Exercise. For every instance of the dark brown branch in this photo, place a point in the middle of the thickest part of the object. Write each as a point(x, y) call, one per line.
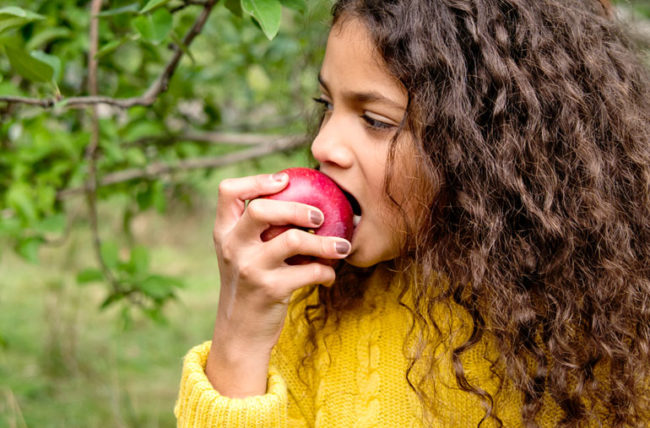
point(160, 168)
point(91, 150)
point(159, 86)
point(41, 102)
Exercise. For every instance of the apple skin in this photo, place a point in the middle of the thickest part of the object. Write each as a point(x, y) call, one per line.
point(312, 187)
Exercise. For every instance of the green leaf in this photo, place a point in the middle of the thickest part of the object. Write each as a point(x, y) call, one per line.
point(110, 47)
point(159, 287)
point(139, 259)
point(90, 275)
point(20, 198)
point(144, 199)
point(9, 88)
point(20, 13)
point(113, 45)
point(52, 224)
point(27, 66)
point(128, 57)
point(299, 5)
point(155, 314)
point(153, 4)
point(12, 17)
point(234, 6)
point(135, 156)
point(154, 28)
point(257, 78)
point(28, 249)
point(142, 128)
point(9, 23)
point(10, 227)
point(112, 298)
point(45, 198)
point(46, 36)
point(109, 253)
point(52, 61)
point(130, 8)
point(158, 197)
point(267, 13)
point(162, 21)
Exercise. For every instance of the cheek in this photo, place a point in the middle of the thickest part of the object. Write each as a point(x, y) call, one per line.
point(413, 187)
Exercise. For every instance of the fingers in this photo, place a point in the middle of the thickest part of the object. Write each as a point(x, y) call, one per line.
point(295, 277)
point(281, 283)
point(262, 213)
point(234, 192)
point(298, 242)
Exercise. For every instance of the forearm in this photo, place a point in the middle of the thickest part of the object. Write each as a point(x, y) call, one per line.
point(238, 362)
point(237, 372)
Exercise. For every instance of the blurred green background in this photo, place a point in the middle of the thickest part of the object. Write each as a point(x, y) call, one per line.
point(94, 336)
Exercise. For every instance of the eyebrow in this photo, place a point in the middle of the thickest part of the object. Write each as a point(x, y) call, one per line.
point(365, 97)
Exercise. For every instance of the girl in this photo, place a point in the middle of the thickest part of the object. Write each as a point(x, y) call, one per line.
point(498, 154)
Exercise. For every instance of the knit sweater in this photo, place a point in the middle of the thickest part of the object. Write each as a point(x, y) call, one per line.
point(357, 379)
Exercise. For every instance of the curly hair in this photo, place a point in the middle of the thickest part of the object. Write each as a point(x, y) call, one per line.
point(535, 117)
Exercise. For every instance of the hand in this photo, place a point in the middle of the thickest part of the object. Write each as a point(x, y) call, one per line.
point(256, 283)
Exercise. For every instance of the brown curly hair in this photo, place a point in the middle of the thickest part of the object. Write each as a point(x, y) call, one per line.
point(534, 115)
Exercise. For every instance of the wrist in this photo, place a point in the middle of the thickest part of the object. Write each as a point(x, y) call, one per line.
point(247, 331)
point(234, 350)
point(237, 371)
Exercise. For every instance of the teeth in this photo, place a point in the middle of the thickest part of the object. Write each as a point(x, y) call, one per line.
point(356, 219)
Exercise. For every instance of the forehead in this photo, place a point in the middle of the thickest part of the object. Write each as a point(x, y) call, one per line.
point(352, 62)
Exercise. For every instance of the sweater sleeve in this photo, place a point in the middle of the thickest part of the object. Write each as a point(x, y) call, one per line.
point(200, 405)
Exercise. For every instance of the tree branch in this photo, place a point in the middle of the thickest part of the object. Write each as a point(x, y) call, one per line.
point(159, 86)
point(161, 168)
point(156, 169)
point(91, 150)
point(232, 138)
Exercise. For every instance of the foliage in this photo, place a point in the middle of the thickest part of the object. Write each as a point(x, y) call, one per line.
point(233, 78)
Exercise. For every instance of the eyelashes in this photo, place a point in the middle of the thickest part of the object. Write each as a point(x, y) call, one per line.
point(373, 124)
point(376, 124)
point(324, 103)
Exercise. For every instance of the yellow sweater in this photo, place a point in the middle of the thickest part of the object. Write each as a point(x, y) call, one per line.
point(357, 380)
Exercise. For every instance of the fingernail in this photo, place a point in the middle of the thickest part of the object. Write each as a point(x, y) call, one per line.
point(279, 176)
point(316, 217)
point(342, 247)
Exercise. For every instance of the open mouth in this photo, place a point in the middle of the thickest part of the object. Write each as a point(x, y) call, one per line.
point(356, 208)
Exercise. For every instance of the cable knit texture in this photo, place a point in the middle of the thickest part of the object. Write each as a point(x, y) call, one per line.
point(357, 379)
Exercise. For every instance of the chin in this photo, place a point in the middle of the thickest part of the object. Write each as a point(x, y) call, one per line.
point(360, 260)
point(358, 263)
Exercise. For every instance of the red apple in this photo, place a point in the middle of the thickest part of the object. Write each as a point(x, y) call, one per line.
point(312, 187)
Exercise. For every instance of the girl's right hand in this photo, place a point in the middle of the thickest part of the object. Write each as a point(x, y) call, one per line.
point(256, 283)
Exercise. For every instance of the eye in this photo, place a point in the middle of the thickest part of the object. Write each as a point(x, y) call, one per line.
point(322, 101)
point(376, 124)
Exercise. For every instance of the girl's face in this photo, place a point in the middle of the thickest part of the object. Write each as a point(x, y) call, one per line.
point(364, 105)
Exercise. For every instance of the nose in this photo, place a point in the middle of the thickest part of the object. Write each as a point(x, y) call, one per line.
point(332, 145)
